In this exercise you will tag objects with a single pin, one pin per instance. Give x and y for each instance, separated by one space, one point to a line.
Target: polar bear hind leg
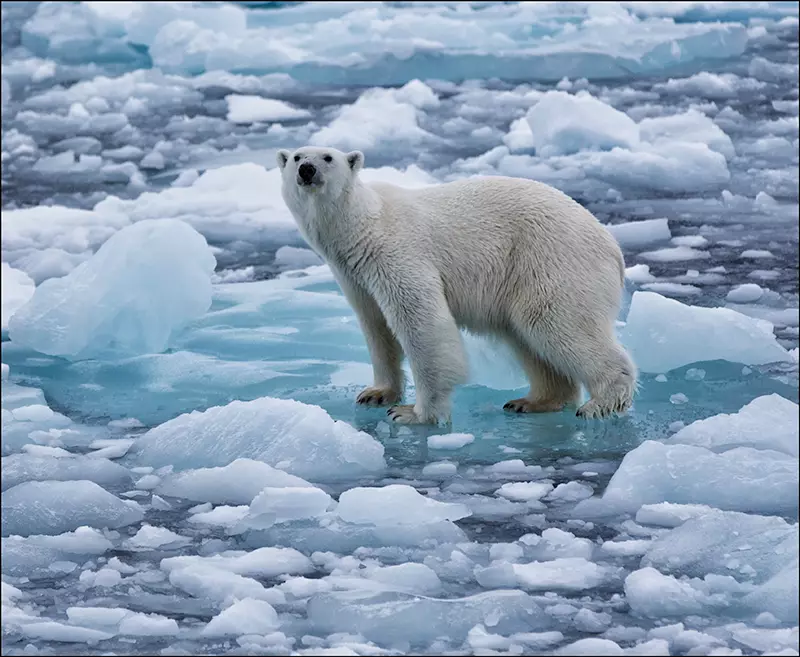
588 352
550 390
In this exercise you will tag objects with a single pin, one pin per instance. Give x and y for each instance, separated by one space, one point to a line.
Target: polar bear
506 257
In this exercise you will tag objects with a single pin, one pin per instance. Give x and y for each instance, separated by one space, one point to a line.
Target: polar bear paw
376 396
594 409
525 405
404 414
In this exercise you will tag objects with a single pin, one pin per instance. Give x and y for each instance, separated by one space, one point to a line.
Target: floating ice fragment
53 631
652 594
450 440
248 616
265 562
667 514
392 617
674 254
636 234
55 507
524 491
236 484
768 422
379 116
766 481
746 293
19 468
251 109
564 574
408 577
136 624
591 646
395 504
125 300
154 538
562 123
220 586
273 505
301 438
571 491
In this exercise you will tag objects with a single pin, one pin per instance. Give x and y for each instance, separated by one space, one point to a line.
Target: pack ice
184 470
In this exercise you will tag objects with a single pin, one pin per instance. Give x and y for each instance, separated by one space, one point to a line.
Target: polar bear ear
283 157
356 160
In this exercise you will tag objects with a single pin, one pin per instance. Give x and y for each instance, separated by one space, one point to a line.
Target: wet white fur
507 257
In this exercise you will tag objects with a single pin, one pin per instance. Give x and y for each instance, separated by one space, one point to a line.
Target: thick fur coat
507 257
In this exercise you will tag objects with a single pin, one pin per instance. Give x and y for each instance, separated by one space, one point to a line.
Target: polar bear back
497 236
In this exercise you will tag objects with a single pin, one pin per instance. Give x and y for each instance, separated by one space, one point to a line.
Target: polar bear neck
332 225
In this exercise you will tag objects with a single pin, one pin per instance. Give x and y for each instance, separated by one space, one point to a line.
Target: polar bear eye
296 158
328 158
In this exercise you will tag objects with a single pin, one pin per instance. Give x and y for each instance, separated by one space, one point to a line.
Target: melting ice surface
184 470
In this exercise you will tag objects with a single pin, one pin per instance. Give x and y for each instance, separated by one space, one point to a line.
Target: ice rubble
703 566
683 152
331 44
693 466
301 439
144 283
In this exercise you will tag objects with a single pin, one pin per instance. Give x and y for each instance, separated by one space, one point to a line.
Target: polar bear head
314 170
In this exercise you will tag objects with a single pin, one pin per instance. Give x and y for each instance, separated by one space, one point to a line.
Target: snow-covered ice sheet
184 470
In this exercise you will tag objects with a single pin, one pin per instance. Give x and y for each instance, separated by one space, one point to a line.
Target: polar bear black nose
307 171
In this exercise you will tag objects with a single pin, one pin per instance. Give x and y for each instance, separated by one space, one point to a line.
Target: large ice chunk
55 507
691 126
16 288
741 479
287 504
380 116
651 593
565 574
248 616
747 547
34 556
562 124
19 468
768 422
663 334
145 282
296 437
331 533
395 504
393 617
636 234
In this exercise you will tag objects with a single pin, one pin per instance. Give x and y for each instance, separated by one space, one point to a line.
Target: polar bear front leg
385 351
421 318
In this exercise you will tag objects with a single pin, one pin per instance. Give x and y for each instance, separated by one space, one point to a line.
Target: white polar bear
507 257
